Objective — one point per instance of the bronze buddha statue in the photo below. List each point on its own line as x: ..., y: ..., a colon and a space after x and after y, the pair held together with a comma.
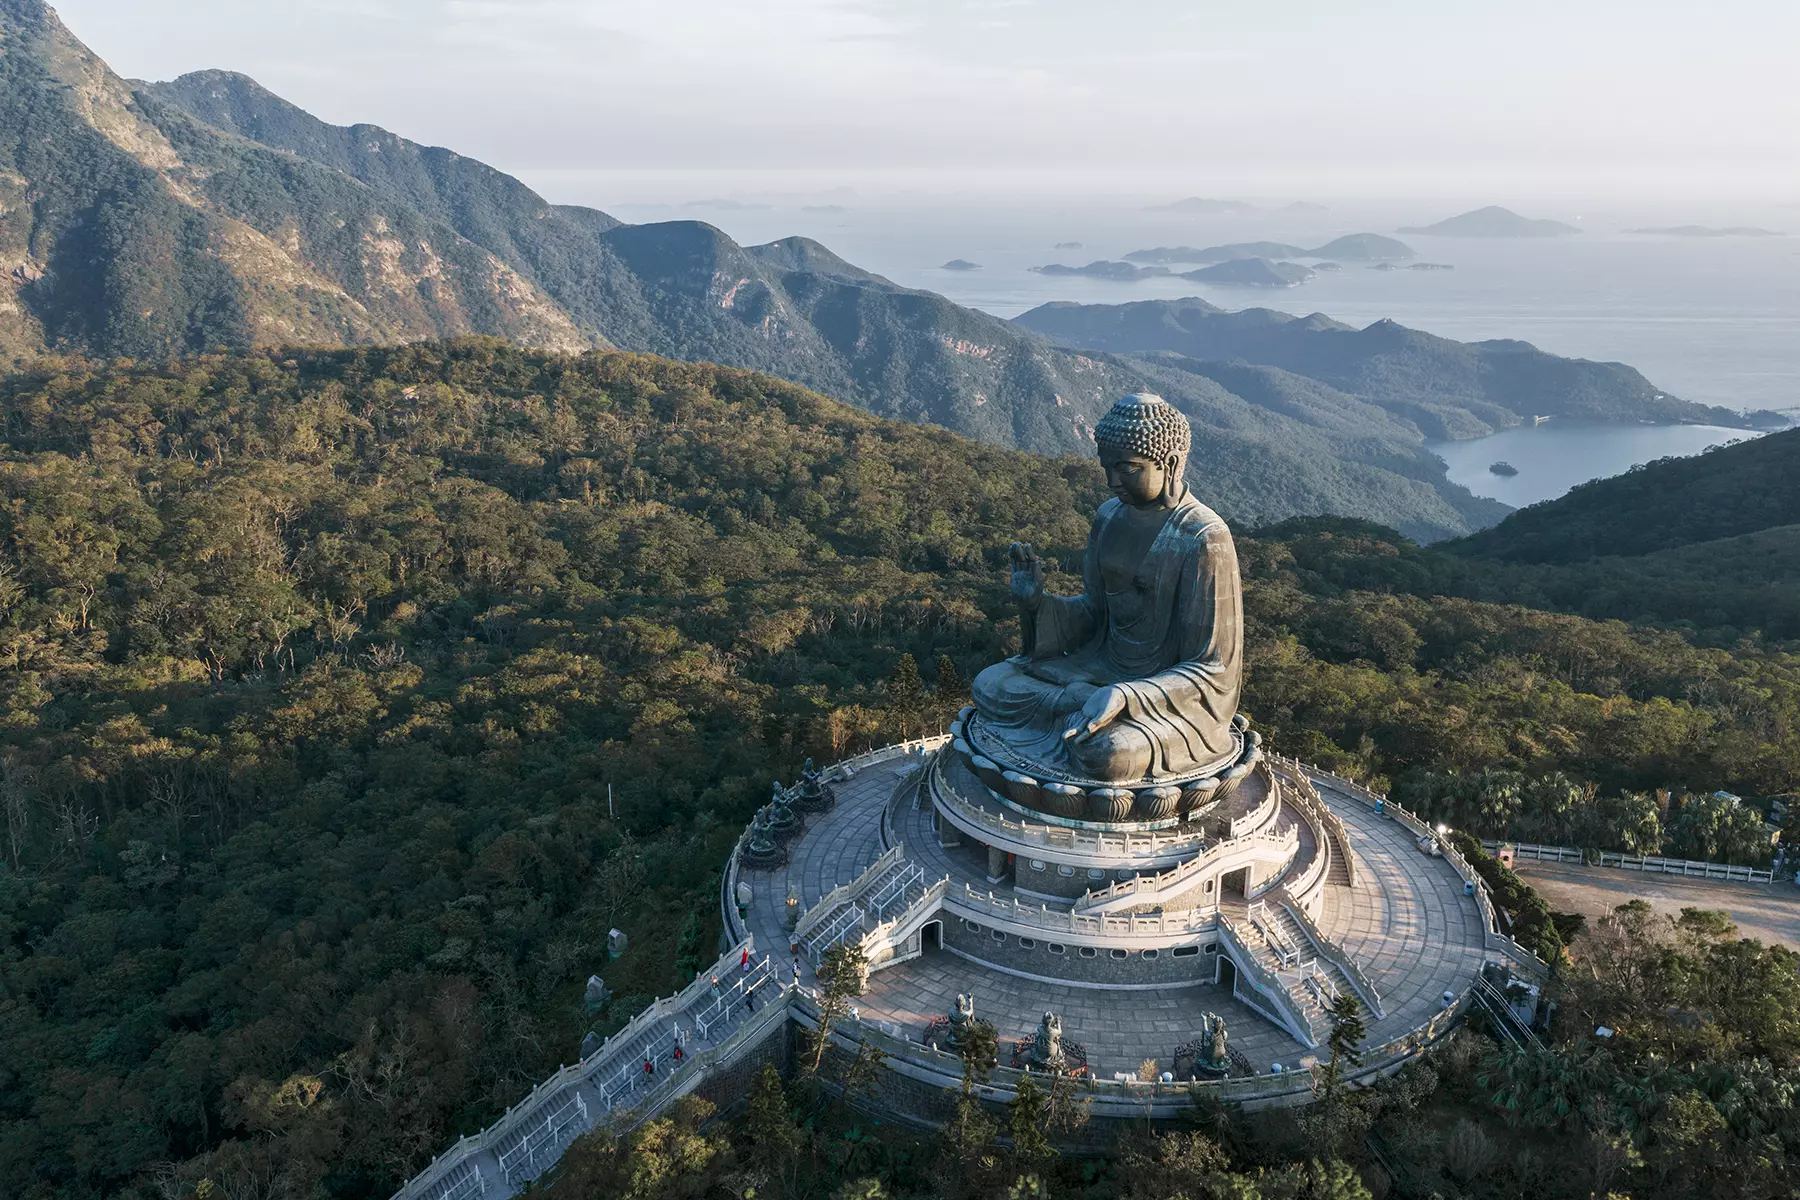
x: 1135, y: 680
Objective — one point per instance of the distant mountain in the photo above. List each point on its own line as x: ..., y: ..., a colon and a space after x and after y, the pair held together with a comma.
x: 1203, y: 206
x: 1067, y: 246
x: 1252, y: 272
x: 1709, y: 231
x: 1443, y: 388
x: 1362, y: 247
x: 960, y: 264
x: 1729, y: 492
x: 1212, y: 254
x: 1118, y: 272
x: 1355, y: 246
x: 1493, y: 221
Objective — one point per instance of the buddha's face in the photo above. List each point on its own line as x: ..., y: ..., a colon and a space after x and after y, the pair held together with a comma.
x: 1134, y: 478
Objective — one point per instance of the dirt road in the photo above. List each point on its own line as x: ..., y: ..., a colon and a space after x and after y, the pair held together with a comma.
x: 1768, y: 912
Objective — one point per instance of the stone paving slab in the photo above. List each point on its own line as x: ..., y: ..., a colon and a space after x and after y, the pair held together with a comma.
x: 1407, y: 924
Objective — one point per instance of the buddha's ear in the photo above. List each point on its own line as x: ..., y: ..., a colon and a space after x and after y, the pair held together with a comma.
x: 1174, y: 470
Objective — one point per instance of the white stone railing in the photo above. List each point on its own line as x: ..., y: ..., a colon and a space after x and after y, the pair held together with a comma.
x: 1308, y: 798
x: 986, y: 906
x: 844, y: 893
x: 1094, y: 843
x: 1263, y: 813
x: 736, y: 929
x: 1336, y: 955
x: 528, y: 1112
x: 1691, y: 868
x: 1267, y: 985
x: 1310, y: 875
x: 1132, y: 1098
x: 850, y: 766
x: 1493, y: 937
x: 1145, y: 889
x: 890, y: 933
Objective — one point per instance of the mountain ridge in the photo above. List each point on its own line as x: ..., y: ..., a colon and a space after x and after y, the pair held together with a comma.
x: 1449, y: 389
x: 208, y: 212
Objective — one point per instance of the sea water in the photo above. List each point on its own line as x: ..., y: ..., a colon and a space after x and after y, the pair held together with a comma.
x: 1551, y: 459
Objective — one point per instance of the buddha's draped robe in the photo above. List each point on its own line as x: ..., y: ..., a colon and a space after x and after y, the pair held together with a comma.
x: 1170, y: 634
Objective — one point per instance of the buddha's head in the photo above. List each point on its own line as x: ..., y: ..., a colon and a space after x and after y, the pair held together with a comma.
x: 1143, y: 445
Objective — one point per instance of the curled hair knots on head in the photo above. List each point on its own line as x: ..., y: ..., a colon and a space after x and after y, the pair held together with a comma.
x: 1146, y: 424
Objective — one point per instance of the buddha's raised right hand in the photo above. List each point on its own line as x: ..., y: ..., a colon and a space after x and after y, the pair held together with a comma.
x: 1027, y: 576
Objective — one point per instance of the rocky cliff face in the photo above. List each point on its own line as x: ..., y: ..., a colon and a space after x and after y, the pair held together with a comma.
x: 131, y: 228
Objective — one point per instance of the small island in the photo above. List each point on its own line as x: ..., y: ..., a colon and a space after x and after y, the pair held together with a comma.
x: 1503, y: 468
x: 1252, y: 272
x: 1327, y: 266
x: 1424, y: 266
x: 1213, y: 254
x: 1067, y: 246
x: 1115, y: 272
x: 960, y: 264
x: 1493, y: 221
x: 1363, y: 247
x: 1359, y: 247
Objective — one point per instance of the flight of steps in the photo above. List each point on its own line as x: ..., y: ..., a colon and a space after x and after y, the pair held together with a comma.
x: 1285, y: 953
x: 1338, y: 874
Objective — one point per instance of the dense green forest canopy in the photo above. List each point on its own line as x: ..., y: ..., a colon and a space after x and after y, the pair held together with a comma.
x: 319, y: 667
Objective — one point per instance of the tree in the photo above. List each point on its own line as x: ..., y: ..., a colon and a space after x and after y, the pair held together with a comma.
x: 1347, y: 1029
x: 841, y: 977
x: 1329, y: 1119
x: 773, y: 1140
x: 1027, y: 1113
x: 905, y: 694
x: 952, y: 688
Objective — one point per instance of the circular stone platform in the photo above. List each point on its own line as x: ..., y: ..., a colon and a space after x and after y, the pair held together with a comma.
x: 1293, y: 890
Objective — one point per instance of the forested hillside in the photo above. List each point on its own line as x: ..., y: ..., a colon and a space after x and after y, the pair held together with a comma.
x: 319, y: 665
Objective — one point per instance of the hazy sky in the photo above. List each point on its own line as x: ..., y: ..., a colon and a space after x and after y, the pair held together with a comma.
x: 1559, y: 98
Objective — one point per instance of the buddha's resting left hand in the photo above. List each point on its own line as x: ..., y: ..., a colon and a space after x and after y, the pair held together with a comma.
x: 1101, y: 708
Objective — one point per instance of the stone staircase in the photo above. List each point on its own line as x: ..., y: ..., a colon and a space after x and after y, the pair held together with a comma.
x: 1282, y: 946
x: 1339, y: 873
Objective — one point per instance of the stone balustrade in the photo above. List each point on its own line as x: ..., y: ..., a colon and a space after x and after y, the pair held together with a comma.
x: 1277, y: 1003
x: 1308, y: 799
x: 1102, y: 848
x: 532, y: 1134
x: 1336, y: 955
x: 1222, y: 856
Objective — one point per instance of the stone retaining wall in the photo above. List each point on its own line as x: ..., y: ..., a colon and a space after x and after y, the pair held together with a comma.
x: 1102, y: 969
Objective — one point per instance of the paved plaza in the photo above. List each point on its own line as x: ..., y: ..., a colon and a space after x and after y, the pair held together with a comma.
x: 1407, y: 923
